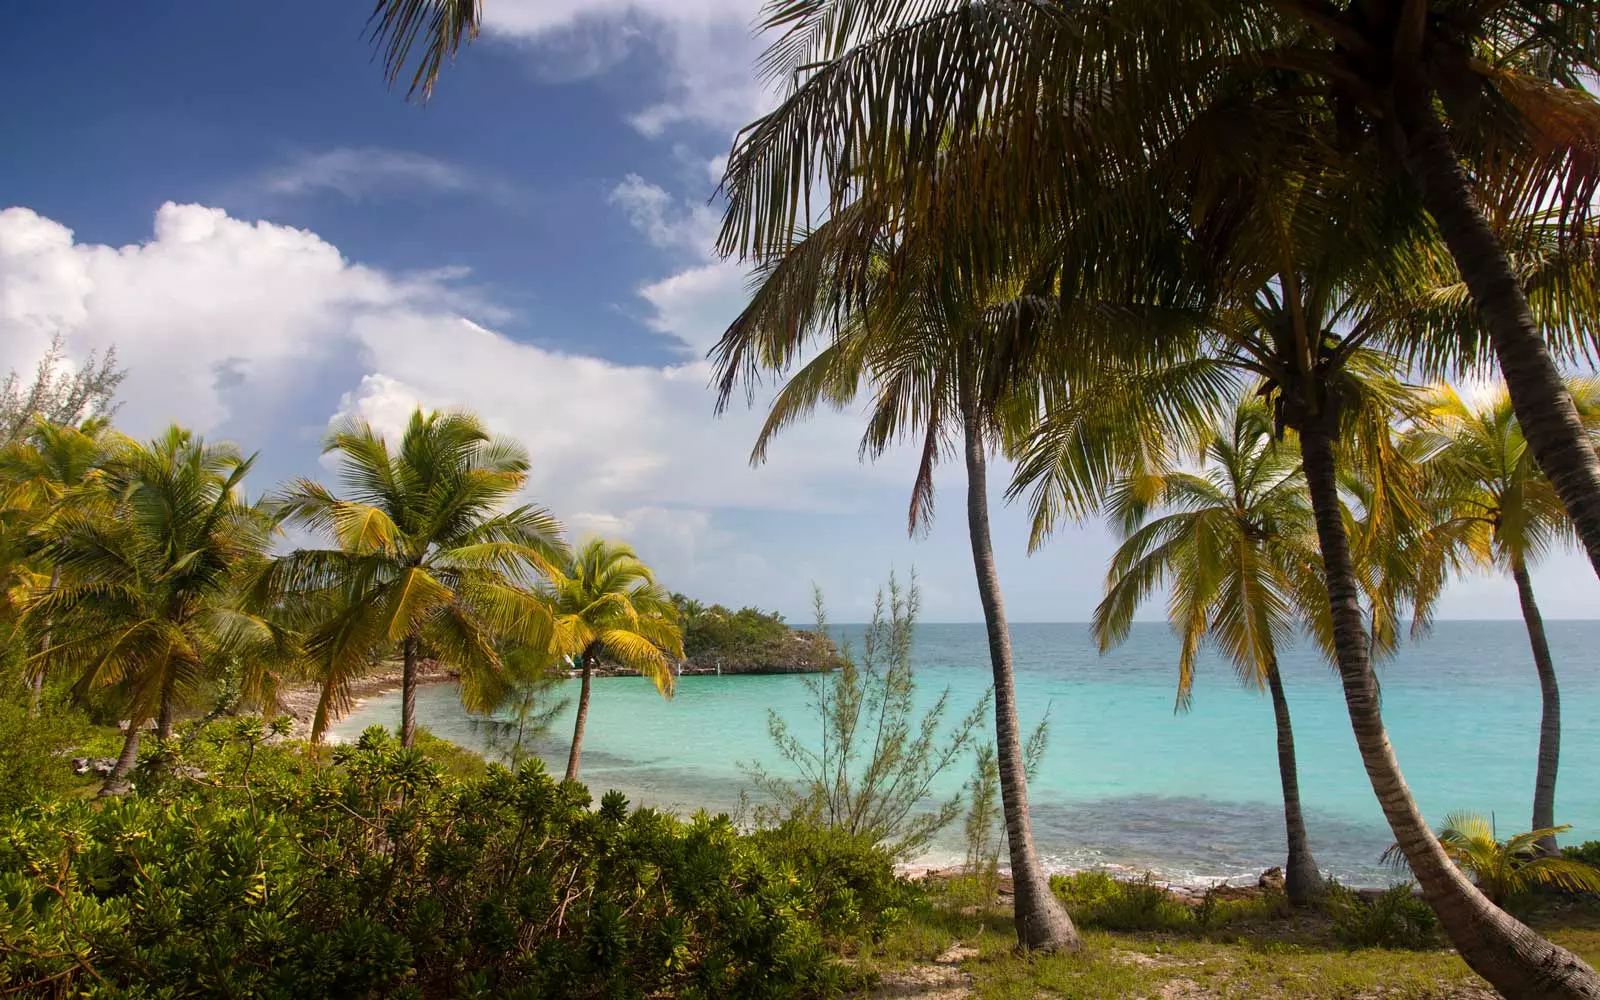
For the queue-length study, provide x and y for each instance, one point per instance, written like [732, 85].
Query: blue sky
[229, 194]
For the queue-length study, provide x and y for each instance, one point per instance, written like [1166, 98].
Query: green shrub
[851, 883]
[1588, 853]
[1097, 899]
[33, 761]
[1396, 919]
[272, 876]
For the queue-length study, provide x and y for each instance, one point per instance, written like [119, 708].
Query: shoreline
[1190, 890]
[299, 701]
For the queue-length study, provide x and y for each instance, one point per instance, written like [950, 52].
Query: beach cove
[1126, 782]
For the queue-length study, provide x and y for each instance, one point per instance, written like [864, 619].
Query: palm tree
[46, 472]
[1237, 547]
[608, 608]
[911, 332]
[1069, 94]
[1506, 868]
[1340, 275]
[148, 593]
[426, 557]
[1499, 510]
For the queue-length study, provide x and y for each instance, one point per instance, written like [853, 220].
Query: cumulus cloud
[215, 317]
[707, 48]
[266, 331]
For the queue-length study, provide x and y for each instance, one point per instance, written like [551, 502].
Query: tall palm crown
[914, 331]
[608, 607]
[427, 556]
[1497, 509]
[1236, 547]
[148, 593]
[54, 468]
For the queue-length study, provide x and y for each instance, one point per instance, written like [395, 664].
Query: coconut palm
[878, 89]
[1341, 276]
[911, 334]
[1506, 868]
[609, 608]
[53, 469]
[426, 557]
[147, 599]
[1236, 545]
[1497, 509]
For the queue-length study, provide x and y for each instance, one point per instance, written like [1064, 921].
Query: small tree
[59, 394]
[1506, 868]
[985, 821]
[529, 706]
[877, 760]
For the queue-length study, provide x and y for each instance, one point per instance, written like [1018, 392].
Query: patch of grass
[459, 762]
[1245, 948]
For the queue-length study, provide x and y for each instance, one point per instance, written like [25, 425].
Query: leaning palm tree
[609, 608]
[426, 558]
[53, 469]
[911, 334]
[1497, 509]
[147, 600]
[1506, 868]
[1235, 547]
[1336, 272]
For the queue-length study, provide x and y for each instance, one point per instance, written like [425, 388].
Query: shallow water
[1125, 780]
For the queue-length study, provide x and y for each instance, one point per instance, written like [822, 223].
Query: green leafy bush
[1396, 919]
[1588, 853]
[1097, 899]
[262, 874]
[33, 760]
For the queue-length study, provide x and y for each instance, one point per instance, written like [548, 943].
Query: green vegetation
[1073, 236]
[380, 875]
[869, 773]
[1507, 869]
[608, 608]
[750, 641]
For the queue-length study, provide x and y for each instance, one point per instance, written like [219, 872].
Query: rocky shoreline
[1189, 894]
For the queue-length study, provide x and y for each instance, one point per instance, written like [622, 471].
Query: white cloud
[238, 326]
[706, 46]
[216, 317]
[365, 173]
[662, 220]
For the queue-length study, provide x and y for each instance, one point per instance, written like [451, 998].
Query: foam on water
[1125, 781]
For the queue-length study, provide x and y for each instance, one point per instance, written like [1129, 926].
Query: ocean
[1125, 781]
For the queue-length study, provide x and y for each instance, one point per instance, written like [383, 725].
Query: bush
[382, 876]
[851, 882]
[1396, 919]
[1588, 853]
[34, 760]
[1097, 899]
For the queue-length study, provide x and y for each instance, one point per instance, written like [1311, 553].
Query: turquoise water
[1125, 781]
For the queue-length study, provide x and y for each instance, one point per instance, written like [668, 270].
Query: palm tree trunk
[1302, 879]
[1544, 781]
[1041, 921]
[408, 692]
[164, 715]
[1544, 408]
[117, 782]
[583, 716]
[36, 682]
[1518, 962]
[319, 718]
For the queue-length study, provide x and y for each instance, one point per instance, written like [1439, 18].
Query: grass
[1260, 951]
